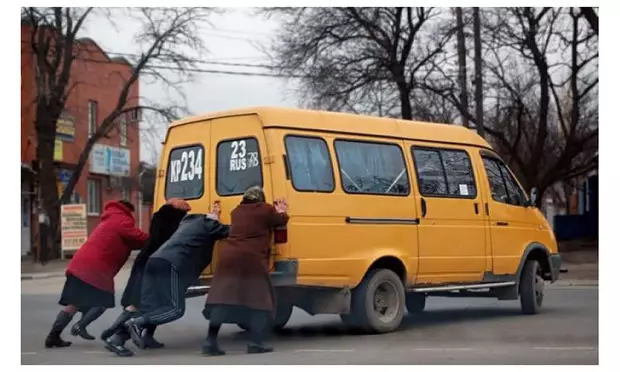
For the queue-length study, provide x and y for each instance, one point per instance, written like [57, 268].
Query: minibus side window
[310, 164]
[444, 173]
[238, 166]
[504, 187]
[372, 168]
[185, 174]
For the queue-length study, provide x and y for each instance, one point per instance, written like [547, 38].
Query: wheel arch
[390, 262]
[539, 252]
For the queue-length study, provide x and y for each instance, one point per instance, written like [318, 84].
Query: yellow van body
[436, 227]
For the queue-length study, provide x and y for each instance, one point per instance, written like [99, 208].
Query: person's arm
[133, 235]
[219, 231]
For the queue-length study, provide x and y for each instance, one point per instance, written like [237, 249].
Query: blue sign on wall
[109, 160]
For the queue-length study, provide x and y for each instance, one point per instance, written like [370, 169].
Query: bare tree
[167, 37]
[462, 53]
[343, 55]
[591, 17]
[534, 114]
[478, 73]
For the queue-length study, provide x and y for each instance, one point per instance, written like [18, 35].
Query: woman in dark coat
[89, 287]
[163, 224]
[241, 290]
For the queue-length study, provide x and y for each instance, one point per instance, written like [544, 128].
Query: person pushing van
[172, 269]
[163, 224]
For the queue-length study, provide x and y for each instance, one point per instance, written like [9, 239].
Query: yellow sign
[58, 155]
[74, 226]
[65, 129]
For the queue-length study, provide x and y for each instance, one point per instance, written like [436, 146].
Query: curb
[42, 276]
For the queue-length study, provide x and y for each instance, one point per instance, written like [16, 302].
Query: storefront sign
[65, 129]
[58, 155]
[74, 226]
[109, 160]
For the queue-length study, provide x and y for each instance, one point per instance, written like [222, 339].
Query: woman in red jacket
[89, 287]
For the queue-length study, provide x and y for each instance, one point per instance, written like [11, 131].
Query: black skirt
[235, 314]
[133, 289]
[82, 295]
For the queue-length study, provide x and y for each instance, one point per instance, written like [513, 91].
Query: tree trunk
[462, 53]
[478, 72]
[48, 188]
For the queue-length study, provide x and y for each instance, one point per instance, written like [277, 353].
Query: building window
[94, 197]
[92, 118]
[310, 164]
[445, 173]
[126, 193]
[372, 168]
[134, 115]
[123, 129]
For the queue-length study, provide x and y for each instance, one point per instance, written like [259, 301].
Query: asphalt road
[450, 331]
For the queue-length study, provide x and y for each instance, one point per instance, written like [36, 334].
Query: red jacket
[98, 261]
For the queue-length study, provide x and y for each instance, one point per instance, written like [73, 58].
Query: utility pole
[462, 53]
[478, 73]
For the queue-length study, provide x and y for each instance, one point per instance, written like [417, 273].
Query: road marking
[29, 353]
[324, 350]
[564, 348]
[443, 349]
[95, 352]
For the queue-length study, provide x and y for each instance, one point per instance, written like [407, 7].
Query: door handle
[476, 208]
[423, 207]
[502, 223]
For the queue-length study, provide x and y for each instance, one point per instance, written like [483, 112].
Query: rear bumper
[284, 275]
[555, 263]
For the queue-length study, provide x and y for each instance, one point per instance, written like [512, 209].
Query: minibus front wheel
[531, 287]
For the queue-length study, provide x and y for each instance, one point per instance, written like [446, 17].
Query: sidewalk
[55, 268]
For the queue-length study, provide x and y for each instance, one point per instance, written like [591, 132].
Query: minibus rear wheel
[378, 303]
[531, 288]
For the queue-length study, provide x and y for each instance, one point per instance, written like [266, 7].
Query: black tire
[283, 314]
[531, 288]
[415, 302]
[367, 305]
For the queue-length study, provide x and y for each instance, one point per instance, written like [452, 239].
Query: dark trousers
[163, 293]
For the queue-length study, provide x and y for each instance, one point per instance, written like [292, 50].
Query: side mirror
[533, 197]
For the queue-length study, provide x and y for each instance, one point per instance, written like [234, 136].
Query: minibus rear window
[185, 178]
[238, 166]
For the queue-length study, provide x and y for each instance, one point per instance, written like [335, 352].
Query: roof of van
[350, 123]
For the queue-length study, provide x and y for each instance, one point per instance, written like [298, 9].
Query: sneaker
[119, 350]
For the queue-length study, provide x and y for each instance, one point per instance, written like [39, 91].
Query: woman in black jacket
[163, 224]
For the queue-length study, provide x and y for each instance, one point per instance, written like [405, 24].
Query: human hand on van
[281, 206]
[180, 204]
[215, 212]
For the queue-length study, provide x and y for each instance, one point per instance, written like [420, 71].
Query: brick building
[114, 164]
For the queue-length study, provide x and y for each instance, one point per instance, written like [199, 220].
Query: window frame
[331, 163]
[493, 157]
[336, 140]
[217, 173]
[123, 129]
[445, 175]
[92, 117]
[98, 182]
[195, 144]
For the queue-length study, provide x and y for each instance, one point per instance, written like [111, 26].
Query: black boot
[135, 328]
[53, 338]
[118, 324]
[149, 341]
[79, 328]
[258, 332]
[210, 346]
[116, 344]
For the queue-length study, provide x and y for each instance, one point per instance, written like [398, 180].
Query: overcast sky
[231, 38]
